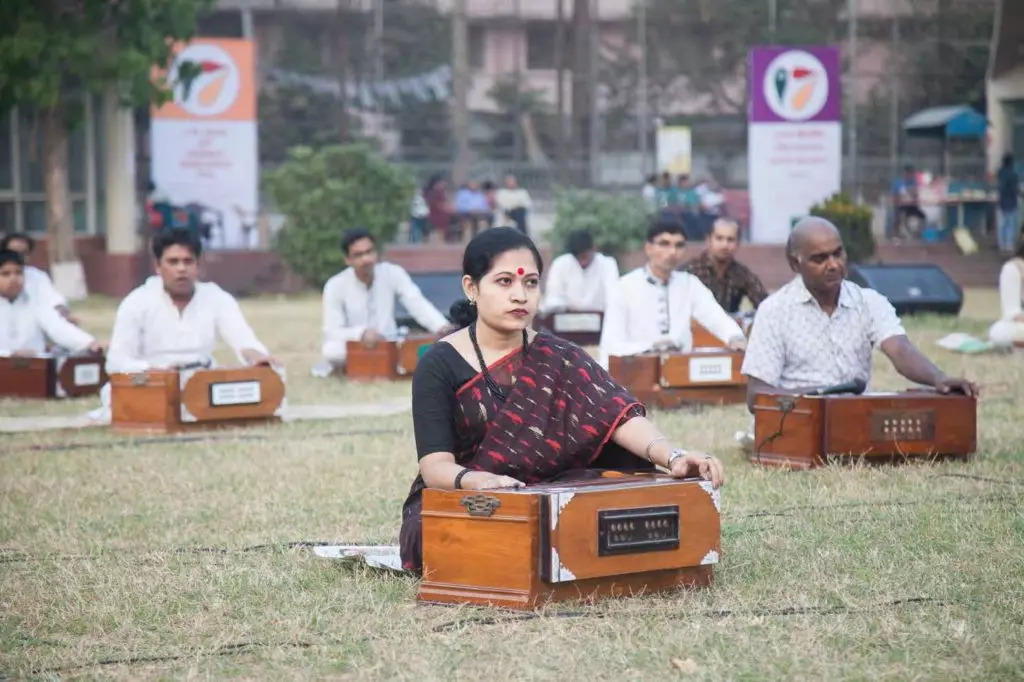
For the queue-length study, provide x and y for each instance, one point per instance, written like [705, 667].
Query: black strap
[492, 385]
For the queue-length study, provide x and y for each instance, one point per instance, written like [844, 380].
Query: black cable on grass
[195, 438]
[983, 479]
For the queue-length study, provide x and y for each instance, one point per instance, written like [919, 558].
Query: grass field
[171, 561]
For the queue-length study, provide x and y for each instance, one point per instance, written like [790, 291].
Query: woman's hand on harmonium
[484, 481]
[706, 466]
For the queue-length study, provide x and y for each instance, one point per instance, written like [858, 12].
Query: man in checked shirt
[717, 268]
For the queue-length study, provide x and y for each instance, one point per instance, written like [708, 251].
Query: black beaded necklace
[492, 385]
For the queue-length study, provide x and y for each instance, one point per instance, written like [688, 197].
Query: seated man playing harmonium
[37, 282]
[499, 405]
[173, 320]
[819, 330]
[717, 269]
[359, 302]
[651, 308]
[1008, 331]
[579, 281]
[28, 319]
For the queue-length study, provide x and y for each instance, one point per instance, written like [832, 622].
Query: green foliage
[49, 51]
[618, 223]
[325, 192]
[853, 222]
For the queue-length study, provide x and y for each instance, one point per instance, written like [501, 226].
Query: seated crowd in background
[475, 207]
[697, 203]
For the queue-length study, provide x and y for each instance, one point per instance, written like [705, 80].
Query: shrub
[853, 222]
[325, 192]
[618, 223]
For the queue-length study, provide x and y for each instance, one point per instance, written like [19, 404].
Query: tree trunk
[341, 67]
[60, 225]
[65, 268]
[581, 114]
[460, 92]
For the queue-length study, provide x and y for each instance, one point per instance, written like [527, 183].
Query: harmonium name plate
[52, 376]
[605, 537]
[580, 327]
[669, 380]
[386, 360]
[804, 432]
[178, 400]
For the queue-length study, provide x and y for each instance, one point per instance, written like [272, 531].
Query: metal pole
[593, 40]
[460, 87]
[643, 109]
[851, 97]
[894, 106]
[378, 37]
[773, 17]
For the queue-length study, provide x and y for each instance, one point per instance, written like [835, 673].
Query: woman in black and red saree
[497, 405]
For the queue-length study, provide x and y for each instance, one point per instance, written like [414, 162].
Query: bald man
[717, 269]
[820, 329]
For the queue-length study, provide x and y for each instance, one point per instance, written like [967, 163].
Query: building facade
[1005, 89]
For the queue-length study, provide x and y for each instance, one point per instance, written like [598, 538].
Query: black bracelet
[458, 478]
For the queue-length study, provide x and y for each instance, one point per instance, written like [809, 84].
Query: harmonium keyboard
[52, 376]
[804, 432]
[670, 380]
[606, 537]
[580, 327]
[386, 360]
[702, 338]
[171, 400]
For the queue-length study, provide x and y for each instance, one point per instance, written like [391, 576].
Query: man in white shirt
[581, 279]
[1008, 331]
[37, 282]
[359, 302]
[651, 307]
[173, 320]
[28, 322]
[820, 329]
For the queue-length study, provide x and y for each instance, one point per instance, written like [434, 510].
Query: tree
[55, 52]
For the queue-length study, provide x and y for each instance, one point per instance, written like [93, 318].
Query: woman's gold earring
[472, 302]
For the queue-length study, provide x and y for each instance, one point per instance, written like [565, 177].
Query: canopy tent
[959, 121]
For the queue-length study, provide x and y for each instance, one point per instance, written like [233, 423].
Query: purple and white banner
[794, 141]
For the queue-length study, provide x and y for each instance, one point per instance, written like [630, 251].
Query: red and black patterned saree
[555, 424]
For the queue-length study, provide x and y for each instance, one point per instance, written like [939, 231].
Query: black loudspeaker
[911, 289]
[440, 288]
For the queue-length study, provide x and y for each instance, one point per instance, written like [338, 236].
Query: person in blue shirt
[1008, 183]
[905, 204]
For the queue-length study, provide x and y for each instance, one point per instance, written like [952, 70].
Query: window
[477, 47]
[6, 155]
[541, 39]
[7, 223]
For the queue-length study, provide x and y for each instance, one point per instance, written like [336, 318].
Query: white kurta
[571, 287]
[642, 310]
[150, 331]
[1007, 331]
[39, 285]
[28, 321]
[350, 307]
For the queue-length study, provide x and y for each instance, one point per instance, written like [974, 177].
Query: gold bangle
[647, 452]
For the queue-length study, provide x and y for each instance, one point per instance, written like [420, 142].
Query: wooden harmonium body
[52, 376]
[580, 327]
[702, 338]
[173, 400]
[670, 380]
[804, 432]
[386, 360]
[606, 537]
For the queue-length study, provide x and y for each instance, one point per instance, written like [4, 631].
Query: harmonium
[605, 537]
[580, 327]
[386, 360]
[702, 338]
[172, 400]
[670, 380]
[805, 432]
[52, 376]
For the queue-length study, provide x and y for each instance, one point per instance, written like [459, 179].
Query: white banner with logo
[204, 142]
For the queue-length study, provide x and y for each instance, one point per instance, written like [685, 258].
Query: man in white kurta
[359, 302]
[37, 283]
[28, 322]
[580, 279]
[1008, 331]
[651, 307]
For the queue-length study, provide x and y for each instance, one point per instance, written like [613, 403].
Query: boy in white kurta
[27, 321]
[37, 283]
[1008, 331]
[580, 279]
[651, 307]
[359, 302]
[173, 320]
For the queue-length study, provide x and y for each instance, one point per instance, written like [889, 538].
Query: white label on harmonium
[576, 322]
[87, 375]
[235, 393]
[707, 370]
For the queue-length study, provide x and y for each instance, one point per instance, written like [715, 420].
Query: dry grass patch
[128, 559]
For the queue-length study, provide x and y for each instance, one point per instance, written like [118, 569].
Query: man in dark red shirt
[717, 268]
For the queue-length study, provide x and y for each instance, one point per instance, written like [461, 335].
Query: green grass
[103, 573]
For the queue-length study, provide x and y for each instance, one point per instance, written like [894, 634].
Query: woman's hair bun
[462, 313]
